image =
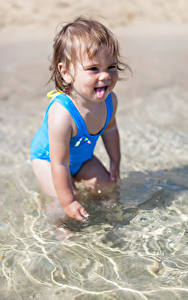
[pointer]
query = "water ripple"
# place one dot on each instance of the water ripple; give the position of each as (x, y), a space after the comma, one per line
(135, 243)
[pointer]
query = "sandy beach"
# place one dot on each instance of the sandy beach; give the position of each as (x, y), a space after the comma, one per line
(138, 249)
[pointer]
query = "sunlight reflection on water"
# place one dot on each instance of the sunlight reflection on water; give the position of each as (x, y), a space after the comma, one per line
(134, 244)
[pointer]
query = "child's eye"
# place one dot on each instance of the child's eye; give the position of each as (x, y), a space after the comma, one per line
(92, 69)
(112, 67)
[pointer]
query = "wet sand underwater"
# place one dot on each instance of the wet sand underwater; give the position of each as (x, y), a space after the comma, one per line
(132, 248)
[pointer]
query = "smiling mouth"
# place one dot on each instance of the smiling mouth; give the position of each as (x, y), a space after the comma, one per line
(100, 91)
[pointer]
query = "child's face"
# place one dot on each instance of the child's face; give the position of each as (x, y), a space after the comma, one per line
(94, 79)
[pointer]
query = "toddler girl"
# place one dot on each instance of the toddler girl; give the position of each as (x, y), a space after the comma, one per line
(85, 69)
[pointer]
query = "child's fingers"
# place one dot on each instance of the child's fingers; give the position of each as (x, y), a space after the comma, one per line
(83, 212)
(82, 215)
(114, 177)
(78, 217)
(76, 211)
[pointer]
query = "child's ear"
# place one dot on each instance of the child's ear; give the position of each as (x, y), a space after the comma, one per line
(64, 74)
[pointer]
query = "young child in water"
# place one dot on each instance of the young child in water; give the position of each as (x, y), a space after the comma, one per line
(85, 69)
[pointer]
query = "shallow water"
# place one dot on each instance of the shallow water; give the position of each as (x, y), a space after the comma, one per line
(134, 246)
(135, 243)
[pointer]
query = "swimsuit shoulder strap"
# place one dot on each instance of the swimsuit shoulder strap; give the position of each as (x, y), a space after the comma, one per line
(69, 105)
(109, 107)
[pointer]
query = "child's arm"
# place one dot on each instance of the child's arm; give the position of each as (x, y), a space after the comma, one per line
(60, 130)
(112, 143)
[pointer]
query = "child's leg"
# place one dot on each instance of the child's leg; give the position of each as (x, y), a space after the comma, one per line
(42, 171)
(54, 210)
(94, 175)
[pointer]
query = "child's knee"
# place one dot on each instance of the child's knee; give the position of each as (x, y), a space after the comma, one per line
(99, 186)
(90, 183)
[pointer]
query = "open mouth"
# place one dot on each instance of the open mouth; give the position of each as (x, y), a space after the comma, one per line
(100, 91)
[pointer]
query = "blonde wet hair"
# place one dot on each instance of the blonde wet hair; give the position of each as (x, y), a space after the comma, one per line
(82, 36)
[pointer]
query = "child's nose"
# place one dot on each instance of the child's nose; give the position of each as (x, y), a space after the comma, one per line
(104, 75)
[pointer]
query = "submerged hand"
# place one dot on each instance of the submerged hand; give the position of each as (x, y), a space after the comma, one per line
(114, 171)
(76, 211)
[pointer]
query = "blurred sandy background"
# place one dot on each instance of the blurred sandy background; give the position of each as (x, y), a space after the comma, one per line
(150, 32)
(40, 12)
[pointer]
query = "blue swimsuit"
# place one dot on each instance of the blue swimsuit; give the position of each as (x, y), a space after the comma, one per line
(81, 146)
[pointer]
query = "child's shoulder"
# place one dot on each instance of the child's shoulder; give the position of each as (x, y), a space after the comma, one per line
(59, 102)
(59, 113)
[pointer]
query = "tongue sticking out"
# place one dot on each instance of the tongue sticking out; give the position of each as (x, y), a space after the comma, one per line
(100, 91)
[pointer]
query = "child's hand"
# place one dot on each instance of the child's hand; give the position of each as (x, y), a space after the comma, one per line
(76, 211)
(114, 171)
